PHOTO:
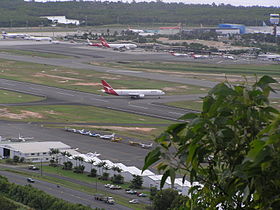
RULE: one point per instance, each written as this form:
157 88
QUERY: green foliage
93 173
153 192
117 179
168 199
16 159
136 182
67 165
231 149
79 169
21 13
6 204
105 176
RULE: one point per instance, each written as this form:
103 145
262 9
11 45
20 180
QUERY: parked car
107 185
32 167
133 192
142 195
99 197
30 180
134 201
115 187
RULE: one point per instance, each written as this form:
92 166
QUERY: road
67 194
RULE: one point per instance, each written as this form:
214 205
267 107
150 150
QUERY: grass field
74 114
197 105
84 80
239 69
15 97
33 53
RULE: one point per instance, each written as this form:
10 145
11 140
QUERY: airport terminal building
32 151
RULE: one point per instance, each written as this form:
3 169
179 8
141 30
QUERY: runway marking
35 88
138 106
67 94
124 71
8 84
99 100
175 113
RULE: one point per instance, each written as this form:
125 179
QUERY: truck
101 197
109 200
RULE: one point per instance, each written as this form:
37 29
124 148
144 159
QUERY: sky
275 3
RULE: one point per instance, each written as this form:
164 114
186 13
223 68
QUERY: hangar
32 151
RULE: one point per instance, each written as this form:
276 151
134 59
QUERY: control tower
274 20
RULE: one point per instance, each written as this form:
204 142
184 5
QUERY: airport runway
147 106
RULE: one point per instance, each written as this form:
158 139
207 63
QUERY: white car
134 201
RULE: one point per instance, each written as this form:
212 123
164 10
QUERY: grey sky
275 3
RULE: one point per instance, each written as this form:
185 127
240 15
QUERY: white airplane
117 46
136 30
13 35
179 54
39 38
229 57
146 34
146 146
195 56
112 136
21 138
133 93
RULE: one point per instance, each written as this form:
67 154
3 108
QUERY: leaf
163 178
188 116
151 158
246 193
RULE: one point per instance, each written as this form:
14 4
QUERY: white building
62 20
32 151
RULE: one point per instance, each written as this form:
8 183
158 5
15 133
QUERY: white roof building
62 20
32 151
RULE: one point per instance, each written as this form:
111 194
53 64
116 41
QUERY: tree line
21 13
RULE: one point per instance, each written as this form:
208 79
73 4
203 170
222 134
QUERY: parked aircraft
146 146
136 30
117 46
133 93
195 56
112 136
21 138
179 54
229 57
37 38
13 35
94 44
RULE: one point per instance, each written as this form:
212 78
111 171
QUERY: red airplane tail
104 42
108 89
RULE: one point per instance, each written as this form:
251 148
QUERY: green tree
136 182
118 179
67 165
16 159
231 148
168 199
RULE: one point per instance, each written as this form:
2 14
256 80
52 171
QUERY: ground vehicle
99 197
134 201
115 187
109 200
131 192
32 167
142 195
30 180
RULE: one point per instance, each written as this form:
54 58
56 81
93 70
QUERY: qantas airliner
133 93
117 46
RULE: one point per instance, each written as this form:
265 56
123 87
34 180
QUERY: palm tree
116 169
100 165
91 163
76 158
64 154
54 152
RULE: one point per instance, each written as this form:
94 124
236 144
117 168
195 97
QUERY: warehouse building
33 151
